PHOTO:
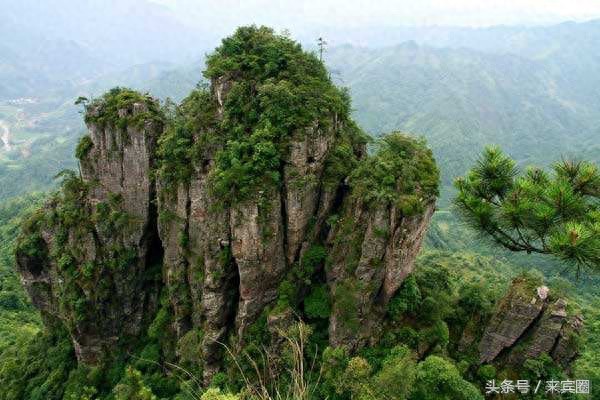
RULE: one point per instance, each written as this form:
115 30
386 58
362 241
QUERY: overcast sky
298 15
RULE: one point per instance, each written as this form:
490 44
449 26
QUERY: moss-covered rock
86 257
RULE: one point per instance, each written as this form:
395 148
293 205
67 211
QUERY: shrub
215 394
132 387
437 378
317 303
104 111
275 90
402 172
407 300
83 147
486 372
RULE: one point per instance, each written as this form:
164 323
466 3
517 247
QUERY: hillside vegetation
245 244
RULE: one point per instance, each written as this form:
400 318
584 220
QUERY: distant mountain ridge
532 90
54 45
462 100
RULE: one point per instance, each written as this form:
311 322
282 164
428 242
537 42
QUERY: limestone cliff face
89 266
528 323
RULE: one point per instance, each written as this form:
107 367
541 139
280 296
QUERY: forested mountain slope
462 100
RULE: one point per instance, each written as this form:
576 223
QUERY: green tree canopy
438 379
555 212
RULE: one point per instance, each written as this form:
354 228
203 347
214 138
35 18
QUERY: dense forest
269 138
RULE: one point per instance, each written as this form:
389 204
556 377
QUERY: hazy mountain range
533 90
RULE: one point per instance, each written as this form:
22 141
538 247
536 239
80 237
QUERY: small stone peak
560 308
561 303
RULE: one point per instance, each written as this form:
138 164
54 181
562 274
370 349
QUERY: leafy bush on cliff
402 172
104 111
84 146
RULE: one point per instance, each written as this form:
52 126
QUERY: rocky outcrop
544 334
248 178
303 177
244 249
515 314
91 264
373 249
527 324
224 261
566 347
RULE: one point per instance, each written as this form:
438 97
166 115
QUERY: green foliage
402 172
588 364
36 369
215 394
18 319
396 377
537 212
344 157
158 329
317 303
179 148
274 90
438 379
104 111
441 300
83 147
335 360
132 387
356 378
109 215
301 277
486 372
475 298
190 348
542 368
345 298
407 300
312 258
